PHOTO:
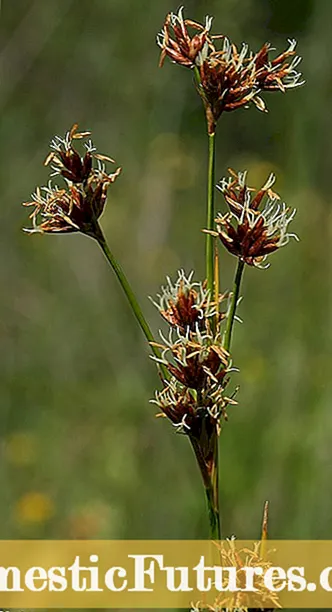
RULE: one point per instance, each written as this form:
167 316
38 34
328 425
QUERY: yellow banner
165 574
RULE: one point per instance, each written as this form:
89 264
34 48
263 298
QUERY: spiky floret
78 205
247 231
179 44
194 398
192 353
279 72
232 78
56 207
188 411
194 357
186 303
229 78
67 161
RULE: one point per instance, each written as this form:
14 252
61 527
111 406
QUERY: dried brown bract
248 232
77 206
179 43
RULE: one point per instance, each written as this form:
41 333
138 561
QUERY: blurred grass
81 452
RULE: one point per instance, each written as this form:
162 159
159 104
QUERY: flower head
77 206
233 78
197 415
179 44
187 304
195 359
193 355
227 81
227 78
248 232
187 414
193 395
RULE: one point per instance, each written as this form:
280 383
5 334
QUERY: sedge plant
193 356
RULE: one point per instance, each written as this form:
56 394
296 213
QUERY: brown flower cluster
77 206
227 78
257 222
187 305
179 43
193 397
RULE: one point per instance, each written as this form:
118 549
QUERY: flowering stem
210 474
129 294
214 518
212 496
233 305
210 212
210 188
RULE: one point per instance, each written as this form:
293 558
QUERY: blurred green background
82 454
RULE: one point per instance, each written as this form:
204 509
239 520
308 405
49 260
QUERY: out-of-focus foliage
82 454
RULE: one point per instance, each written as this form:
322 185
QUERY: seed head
77 206
193 397
181 45
188 413
227 81
193 355
228 77
233 78
195 359
248 232
186 304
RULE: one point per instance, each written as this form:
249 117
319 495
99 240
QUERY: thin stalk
137 311
216 288
210 212
233 305
210 191
197 75
214 507
210 476
211 486
214 518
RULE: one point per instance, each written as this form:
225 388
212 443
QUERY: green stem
212 496
210 212
233 305
210 478
214 517
197 75
210 474
129 295
210 188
